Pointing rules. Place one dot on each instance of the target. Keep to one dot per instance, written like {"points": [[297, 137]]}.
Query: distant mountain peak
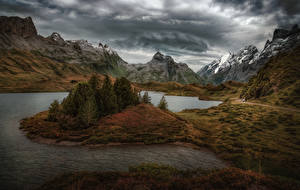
{"points": [[246, 62], [56, 37], [22, 27], [283, 33], [158, 56], [161, 58]]}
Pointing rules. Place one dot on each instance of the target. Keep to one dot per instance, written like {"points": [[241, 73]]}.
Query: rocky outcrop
{"points": [[162, 68], [17, 26], [247, 62]]}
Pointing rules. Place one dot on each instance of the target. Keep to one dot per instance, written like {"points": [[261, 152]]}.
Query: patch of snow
{"points": [[223, 62], [224, 58]]}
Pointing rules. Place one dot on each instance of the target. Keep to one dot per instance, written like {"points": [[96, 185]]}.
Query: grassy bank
{"points": [[251, 137], [153, 176]]}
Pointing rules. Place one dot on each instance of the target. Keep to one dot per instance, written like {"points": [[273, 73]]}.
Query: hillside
{"points": [[278, 82], [26, 71], [20, 41], [19, 33], [244, 64]]}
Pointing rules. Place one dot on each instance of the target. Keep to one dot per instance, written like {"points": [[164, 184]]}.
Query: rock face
{"points": [[247, 62], [17, 26], [21, 34], [162, 68]]}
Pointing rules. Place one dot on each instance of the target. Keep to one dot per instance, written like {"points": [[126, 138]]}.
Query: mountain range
{"points": [[20, 44], [244, 64], [29, 60]]}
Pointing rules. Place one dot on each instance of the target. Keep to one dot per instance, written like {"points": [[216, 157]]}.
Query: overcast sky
{"points": [[192, 31]]}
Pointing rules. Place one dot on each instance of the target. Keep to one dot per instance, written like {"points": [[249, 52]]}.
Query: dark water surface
{"points": [[25, 164]]}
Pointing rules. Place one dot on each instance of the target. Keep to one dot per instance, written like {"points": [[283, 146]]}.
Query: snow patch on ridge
{"points": [[223, 62]]}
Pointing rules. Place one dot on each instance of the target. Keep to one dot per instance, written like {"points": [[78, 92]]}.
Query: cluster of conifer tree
{"points": [[89, 101]]}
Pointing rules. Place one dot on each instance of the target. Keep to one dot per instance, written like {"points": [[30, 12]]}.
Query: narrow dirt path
{"points": [[239, 101]]}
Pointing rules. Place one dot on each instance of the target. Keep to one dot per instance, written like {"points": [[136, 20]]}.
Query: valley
{"points": [[104, 123]]}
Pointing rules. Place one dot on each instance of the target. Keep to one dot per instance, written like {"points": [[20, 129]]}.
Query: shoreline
{"points": [[55, 142]]}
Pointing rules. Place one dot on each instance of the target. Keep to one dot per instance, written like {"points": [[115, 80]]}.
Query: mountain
{"points": [[247, 62], [278, 81], [162, 68], [21, 34], [23, 71], [21, 47]]}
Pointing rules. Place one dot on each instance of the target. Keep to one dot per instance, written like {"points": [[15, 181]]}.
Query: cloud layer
{"points": [[193, 31]]}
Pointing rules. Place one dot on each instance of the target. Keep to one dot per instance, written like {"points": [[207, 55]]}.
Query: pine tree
{"points": [[76, 99], [53, 111], [88, 113], [125, 94], [109, 98], [163, 103], [146, 98], [94, 82]]}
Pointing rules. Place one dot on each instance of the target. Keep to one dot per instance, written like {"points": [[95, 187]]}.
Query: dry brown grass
{"points": [[152, 176], [142, 123]]}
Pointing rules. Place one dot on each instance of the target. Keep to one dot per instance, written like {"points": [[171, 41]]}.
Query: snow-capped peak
{"points": [[223, 62]]}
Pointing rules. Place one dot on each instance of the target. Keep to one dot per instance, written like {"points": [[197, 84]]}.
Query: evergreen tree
{"points": [[88, 113], [125, 94], [109, 98], [53, 111], [137, 98], [99, 102], [94, 82], [163, 103], [146, 98], [76, 99]]}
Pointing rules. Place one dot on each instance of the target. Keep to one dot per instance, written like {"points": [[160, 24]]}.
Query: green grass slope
{"points": [[278, 82]]}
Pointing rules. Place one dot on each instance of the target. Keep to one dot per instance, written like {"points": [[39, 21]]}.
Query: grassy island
{"points": [[260, 138], [95, 113]]}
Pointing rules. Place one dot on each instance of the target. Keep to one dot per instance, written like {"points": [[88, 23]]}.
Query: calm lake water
{"points": [[25, 164], [179, 103]]}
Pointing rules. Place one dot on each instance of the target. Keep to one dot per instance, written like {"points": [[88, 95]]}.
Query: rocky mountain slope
{"points": [[23, 71], [278, 82], [21, 34], [19, 40], [247, 62], [162, 68]]}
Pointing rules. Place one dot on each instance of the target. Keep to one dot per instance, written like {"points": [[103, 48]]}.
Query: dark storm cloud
{"points": [[290, 7], [190, 30], [285, 12], [167, 42]]}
